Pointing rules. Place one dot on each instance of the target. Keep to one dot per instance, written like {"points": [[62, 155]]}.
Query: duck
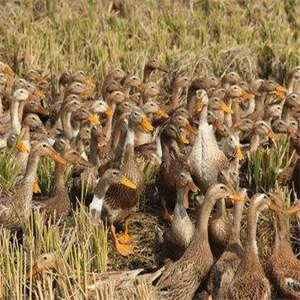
{"points": [[283, 266], [180, 83], [110, 177], [294, 81], [174, 241], [130, 82], [206, 158], [226, 266], [119, 202], [171, 164], [291, 103], [250, 281], [58, 205], [266, 88], [15, 210], [152, 65], [181, 279], [260, 130]]}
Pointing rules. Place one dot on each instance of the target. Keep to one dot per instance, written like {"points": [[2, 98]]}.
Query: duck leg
{"points": [[125, 238], [124, 250], [167, 215]]}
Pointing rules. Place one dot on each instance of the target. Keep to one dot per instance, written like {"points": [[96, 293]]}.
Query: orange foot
{"points": [[124, 250], [125, 239], [169, 217]]}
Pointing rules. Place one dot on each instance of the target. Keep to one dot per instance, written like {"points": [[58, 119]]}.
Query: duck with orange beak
{"points": [[120, 199], [15, 210]]}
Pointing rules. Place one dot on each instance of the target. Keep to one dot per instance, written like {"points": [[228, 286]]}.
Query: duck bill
{"points": [[94, 119], [85, 93], [126, 182], [109, 112], [274, 207], [36, 187], [57, 157], [8, 72], [225, 108], [199, 105], [83, 162], [193, 187], [41, 110], [190, 129], [41, 80], [293, 209], [236, 197], [89, 82], [163, 68], [146, 124], [21, 147], [38, 93], [238, 152], [247, 96], [271, 135], [162, 114], [33, 271], [184, 139], [280, 92], [140, 87]]}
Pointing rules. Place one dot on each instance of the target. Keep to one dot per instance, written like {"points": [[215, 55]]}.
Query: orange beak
{"points": [[36, 187], [56, 156], [274, 207], [225, 108], [193, 186], [271, 135], [280, 92], [184, 139], [146, 124], [247, 96], [41, 110], [163, 69], [38, 93], [33, 271], [236, 197], [162, 114], [109, 112], [21, 147], [126, 182], [8, 71], [89, 82], [94, 119], [190, 129], [238, 152]]}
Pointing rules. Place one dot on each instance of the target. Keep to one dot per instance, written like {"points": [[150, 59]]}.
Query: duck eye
{"points": [[222, 187], [115, 173], [44, 145], [45, 257]]}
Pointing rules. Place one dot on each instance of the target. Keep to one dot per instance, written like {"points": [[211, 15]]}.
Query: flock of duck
{"points": [[196, 135]]}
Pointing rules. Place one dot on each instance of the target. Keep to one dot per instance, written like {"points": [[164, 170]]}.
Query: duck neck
{"points": [[177, 90], [128, 150], [221, 208], [251, 244], [79, 145], [59, 177], [21, 110], [285, 113], [26, 188], [282, 234], [203, 116], [179, 210], [236, 117], [228, 117], [259, 105], [159, 149], [14, 117], [66, 124], [238, 213], [126, 90], [250, 109], [107, 129], [147, 75], [1, 108], [102, 188], [254, 141], [203, 217]]}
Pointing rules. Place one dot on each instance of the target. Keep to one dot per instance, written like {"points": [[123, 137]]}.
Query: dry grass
{"points": [[196, 37]]}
